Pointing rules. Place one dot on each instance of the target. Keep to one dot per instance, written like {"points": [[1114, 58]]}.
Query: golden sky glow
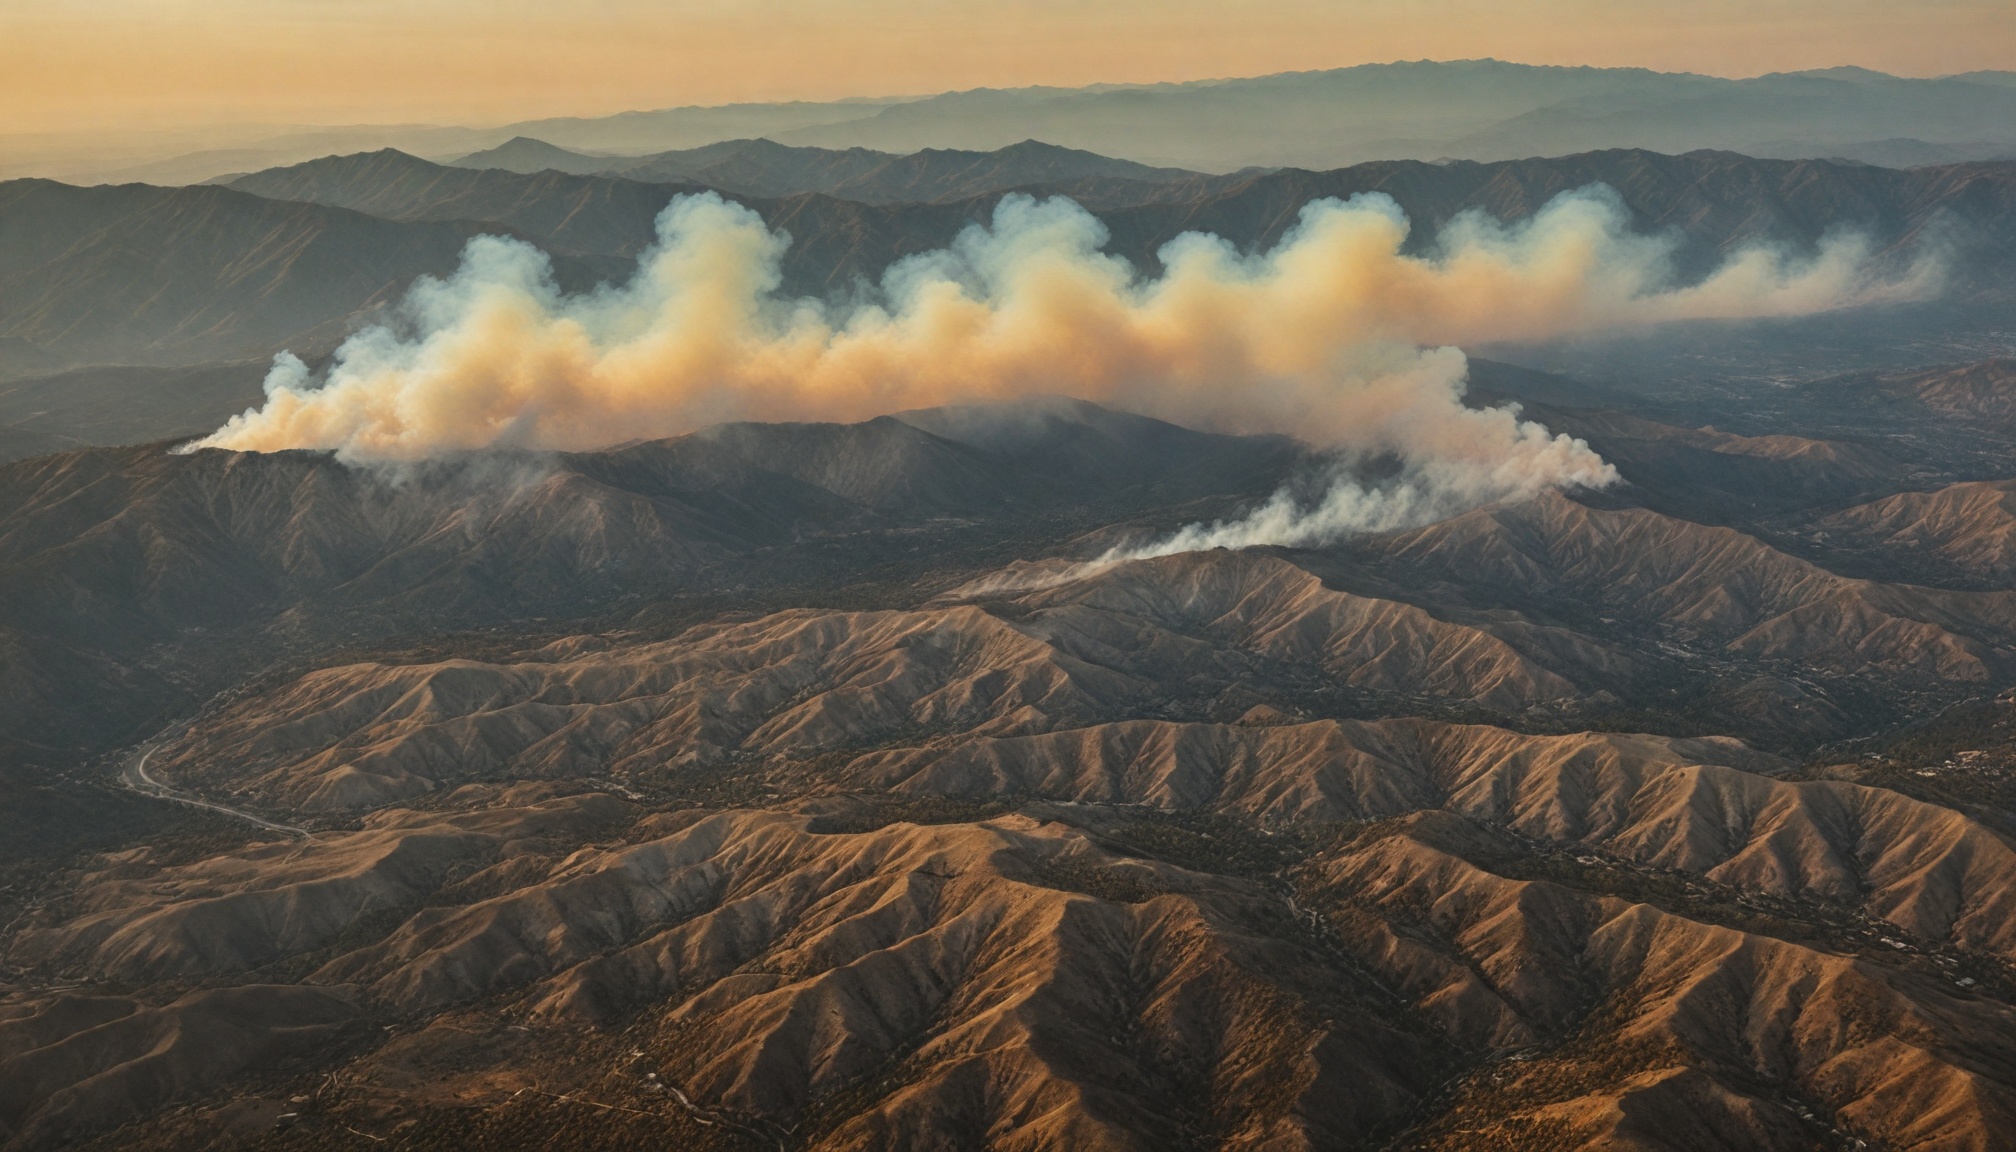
{"points": [[69, 65]]}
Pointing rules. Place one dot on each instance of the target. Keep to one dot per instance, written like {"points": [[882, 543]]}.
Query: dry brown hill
{"points": [[1046, 979], [1969, 530]]}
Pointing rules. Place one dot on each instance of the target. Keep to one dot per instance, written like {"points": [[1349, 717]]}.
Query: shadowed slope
{"points": [[141, 275], [107, 552]]}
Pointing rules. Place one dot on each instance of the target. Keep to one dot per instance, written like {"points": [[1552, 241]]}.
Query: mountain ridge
{"points": [[1315, 119], [593, 226]]}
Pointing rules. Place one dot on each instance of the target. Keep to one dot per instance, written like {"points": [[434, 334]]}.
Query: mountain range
{"points": [[298, 257], [789, 781], [1473, 110], [1428, 110], [903, 783]]}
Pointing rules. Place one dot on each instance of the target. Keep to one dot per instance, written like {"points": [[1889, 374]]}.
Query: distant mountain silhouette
{"points": [[1470, 109], [766, 168], [524, 154], [1466, 109], [1426, 110]]}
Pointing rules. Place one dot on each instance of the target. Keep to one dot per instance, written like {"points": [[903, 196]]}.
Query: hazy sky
{"points": [[76, 64]]}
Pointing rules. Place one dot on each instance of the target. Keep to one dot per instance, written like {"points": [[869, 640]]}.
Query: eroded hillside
{"points": [[834, 787]]}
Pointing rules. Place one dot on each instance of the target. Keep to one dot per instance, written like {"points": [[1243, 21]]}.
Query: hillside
{"points": [[801, 778], [1466, 109], [140, 275], [1968, 530], [524, 154], [109, 553]]}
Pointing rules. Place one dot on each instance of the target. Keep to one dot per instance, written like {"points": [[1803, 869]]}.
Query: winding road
{"points": [[134, 776]]}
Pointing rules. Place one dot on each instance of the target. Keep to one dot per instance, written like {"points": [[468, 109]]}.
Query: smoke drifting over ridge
{"points": [[1334, 336]]}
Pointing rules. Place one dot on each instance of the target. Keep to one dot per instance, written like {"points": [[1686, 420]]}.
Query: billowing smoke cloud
{"points": [[1333, 336]]}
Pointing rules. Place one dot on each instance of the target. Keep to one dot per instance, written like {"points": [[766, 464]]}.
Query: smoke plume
{"points": [[1334, 336]]}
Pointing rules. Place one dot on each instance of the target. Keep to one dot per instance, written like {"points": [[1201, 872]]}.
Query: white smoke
{"points": [[1334, 336]]}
